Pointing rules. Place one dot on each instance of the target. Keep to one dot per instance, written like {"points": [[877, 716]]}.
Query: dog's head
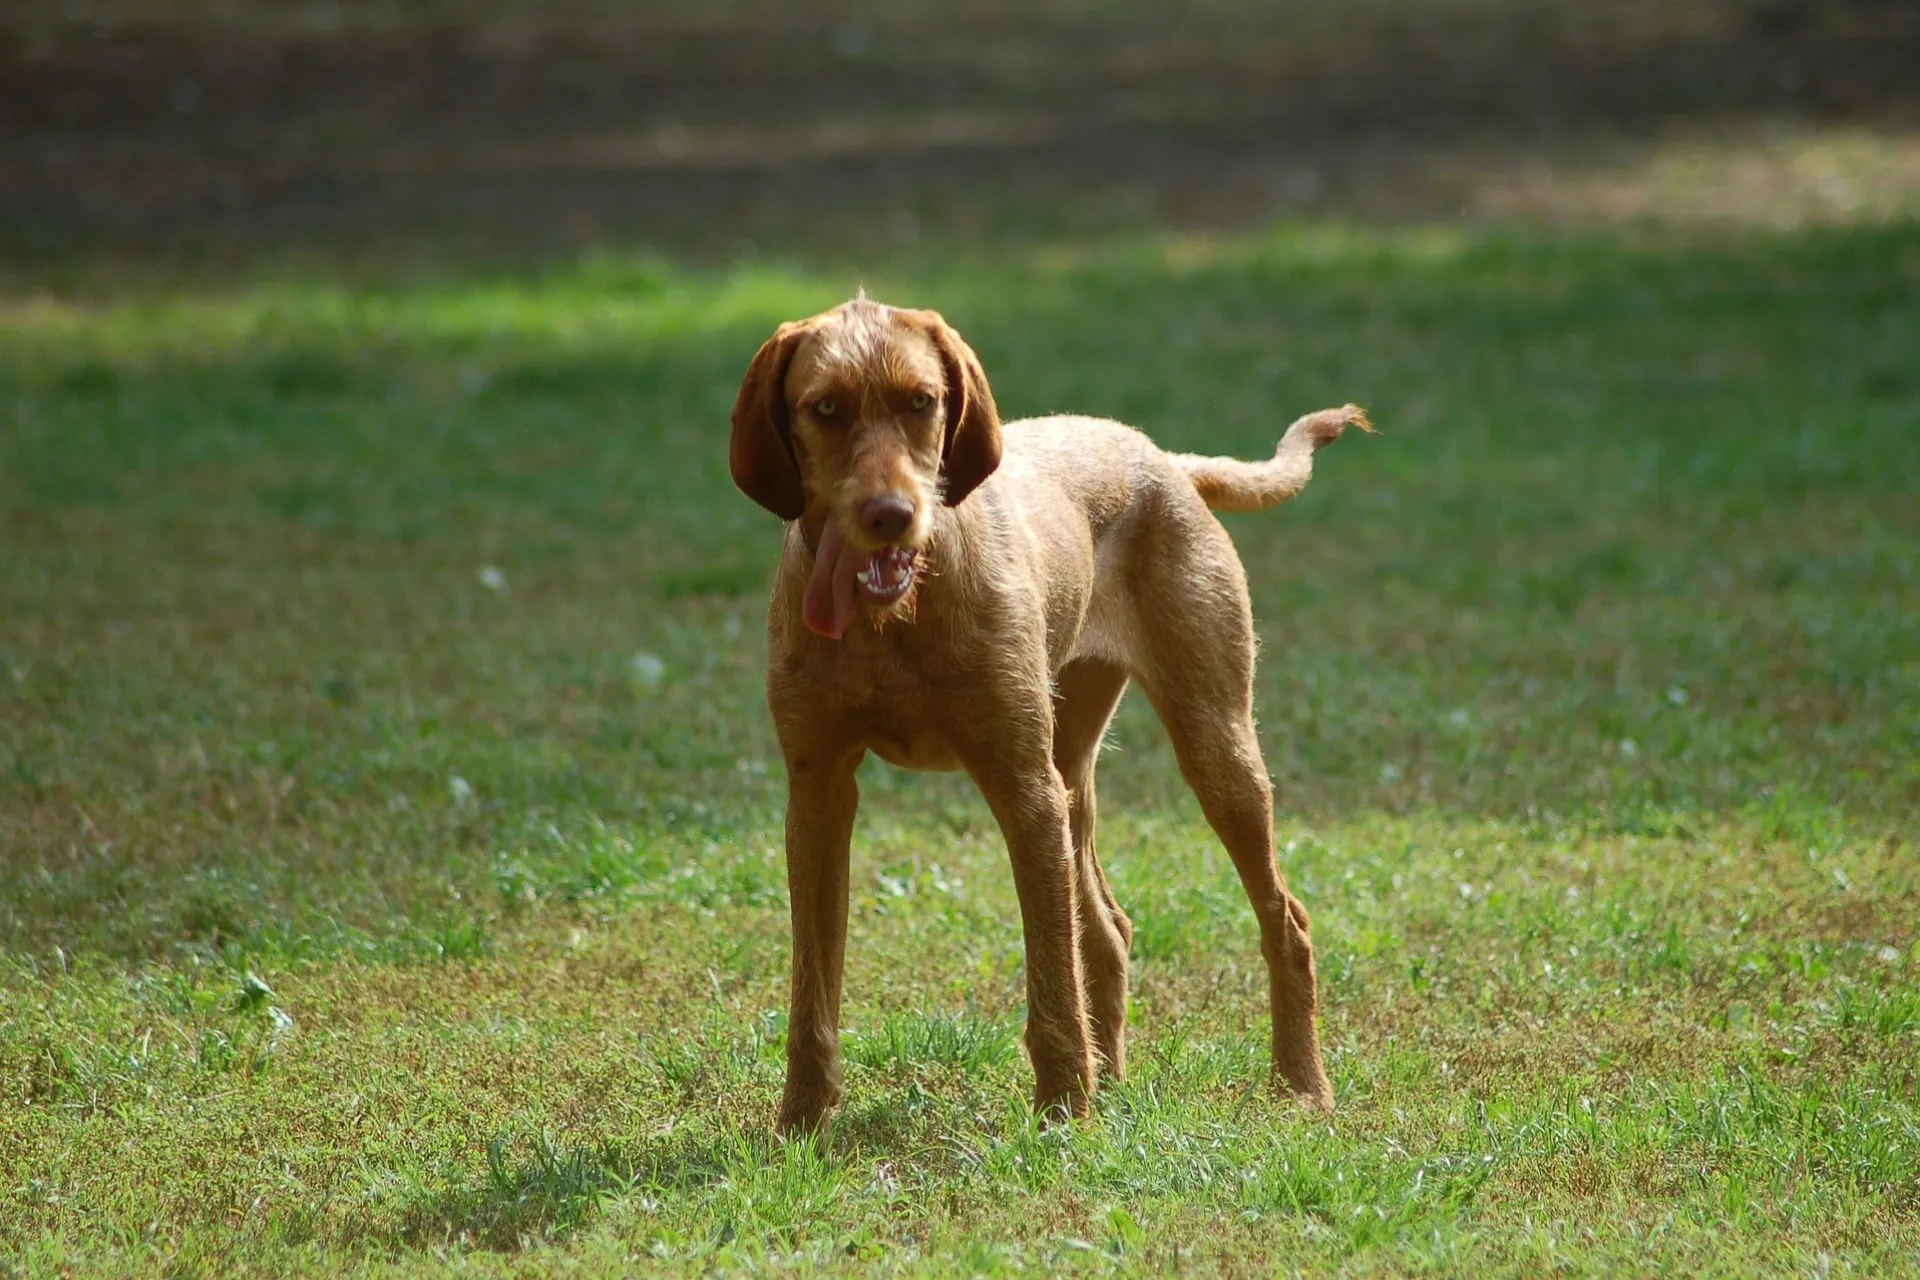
{"points": [[876, 414]]}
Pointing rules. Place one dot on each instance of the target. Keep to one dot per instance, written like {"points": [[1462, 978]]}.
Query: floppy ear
{"points": [[761, 452], [972, 449]]}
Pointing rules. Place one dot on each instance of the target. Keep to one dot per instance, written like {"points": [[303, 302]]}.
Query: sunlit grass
{"points": [[1781, 176], [390, 817]]}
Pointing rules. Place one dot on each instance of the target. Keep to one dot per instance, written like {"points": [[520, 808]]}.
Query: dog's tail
{"points": [[1228, 484]]}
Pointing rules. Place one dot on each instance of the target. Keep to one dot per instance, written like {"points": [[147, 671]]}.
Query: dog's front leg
{"points": [[821, 799], [1029, 801]]}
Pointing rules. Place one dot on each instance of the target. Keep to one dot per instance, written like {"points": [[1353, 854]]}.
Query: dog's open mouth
{"points": [[841, 572], [885, 574]]}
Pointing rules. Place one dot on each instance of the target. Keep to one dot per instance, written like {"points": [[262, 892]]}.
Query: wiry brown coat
{"points": [[1056, 559]]}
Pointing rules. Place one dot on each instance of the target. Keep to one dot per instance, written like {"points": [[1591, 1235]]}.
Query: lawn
{"points": [[390, 816]]}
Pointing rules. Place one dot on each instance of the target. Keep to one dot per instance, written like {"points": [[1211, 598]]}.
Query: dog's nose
{"points": [[887, 515]]}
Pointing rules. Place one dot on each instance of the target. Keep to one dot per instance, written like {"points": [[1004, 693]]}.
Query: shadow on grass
{"points": [[536, 1187], [744, 1183]]}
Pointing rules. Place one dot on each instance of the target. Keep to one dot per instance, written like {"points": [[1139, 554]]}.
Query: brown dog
{"points": [[955, 594]]}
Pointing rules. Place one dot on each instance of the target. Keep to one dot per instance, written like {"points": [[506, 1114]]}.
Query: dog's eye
{"points": [[825, 408], [920, 401]]}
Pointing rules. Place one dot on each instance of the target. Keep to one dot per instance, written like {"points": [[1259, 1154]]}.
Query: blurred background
{"points": [[365, 371], [214, 130], [386, 782]]}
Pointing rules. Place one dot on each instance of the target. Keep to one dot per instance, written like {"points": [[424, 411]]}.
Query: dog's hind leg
{"points": [[1085, 695], [1196, 665]]}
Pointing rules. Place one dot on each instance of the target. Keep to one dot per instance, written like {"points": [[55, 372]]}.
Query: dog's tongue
{"points": [[827, 606]]}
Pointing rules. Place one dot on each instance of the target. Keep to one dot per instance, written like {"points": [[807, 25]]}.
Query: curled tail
{"points": [[1228, 484]]}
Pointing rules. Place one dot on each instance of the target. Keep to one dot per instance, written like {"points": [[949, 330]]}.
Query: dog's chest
{"points": [[869, 678], [886, 691]]}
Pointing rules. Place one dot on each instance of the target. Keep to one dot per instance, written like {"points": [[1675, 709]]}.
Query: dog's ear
{"points": [[972, 449], [761, 453]]}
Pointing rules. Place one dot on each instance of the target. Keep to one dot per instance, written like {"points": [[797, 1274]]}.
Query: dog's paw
{"points": [[1312, 1093], [805, 1112]]}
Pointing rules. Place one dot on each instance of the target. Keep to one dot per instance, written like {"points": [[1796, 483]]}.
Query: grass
{"points": [[390, 816]]}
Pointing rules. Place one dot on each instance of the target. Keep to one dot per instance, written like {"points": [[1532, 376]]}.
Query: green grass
{"points": [[390, 816]]}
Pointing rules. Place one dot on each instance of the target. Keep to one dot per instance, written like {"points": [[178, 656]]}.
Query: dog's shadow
{"points": [[537, 1188]]}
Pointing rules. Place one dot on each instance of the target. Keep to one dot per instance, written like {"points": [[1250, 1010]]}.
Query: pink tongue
{"points": [[827, 606]]}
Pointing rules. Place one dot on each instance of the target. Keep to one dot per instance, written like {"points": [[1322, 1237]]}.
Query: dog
{"points": [[959, 593]]}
